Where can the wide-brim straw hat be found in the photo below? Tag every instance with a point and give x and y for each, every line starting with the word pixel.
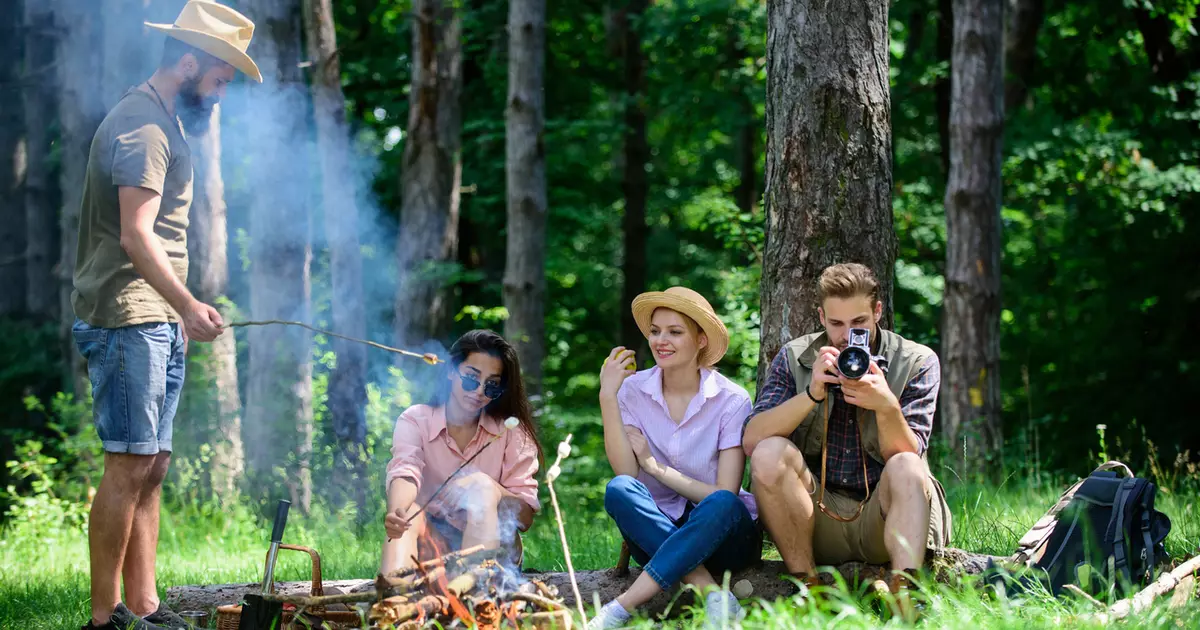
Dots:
pixel 217 30
pixel 692 304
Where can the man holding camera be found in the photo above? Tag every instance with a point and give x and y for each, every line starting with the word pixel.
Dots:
pixel 837 452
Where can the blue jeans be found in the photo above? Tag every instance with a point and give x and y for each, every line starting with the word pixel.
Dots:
pixel 136 374
pixel 718 532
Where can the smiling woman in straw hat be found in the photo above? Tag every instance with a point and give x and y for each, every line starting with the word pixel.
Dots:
pixel 131 298
pixel 673 437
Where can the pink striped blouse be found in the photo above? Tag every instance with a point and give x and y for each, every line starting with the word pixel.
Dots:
pixel 712 423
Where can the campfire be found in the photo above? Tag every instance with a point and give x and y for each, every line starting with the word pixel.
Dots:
pixel 465 589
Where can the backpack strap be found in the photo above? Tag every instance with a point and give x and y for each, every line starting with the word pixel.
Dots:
pixel 1036 537
pixel 1117 466
pixel 1116 526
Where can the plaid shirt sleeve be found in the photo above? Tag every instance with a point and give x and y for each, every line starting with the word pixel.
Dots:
pixel 918 401
pixel 779 386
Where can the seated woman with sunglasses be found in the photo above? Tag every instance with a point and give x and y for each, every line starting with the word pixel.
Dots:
pixel 673 435
pixel 491 498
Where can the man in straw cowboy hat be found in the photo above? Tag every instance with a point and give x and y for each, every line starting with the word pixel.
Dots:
pixel 837 463
pixel 673 436
pixel 134 313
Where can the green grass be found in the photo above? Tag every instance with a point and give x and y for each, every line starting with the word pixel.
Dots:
pixel 44 568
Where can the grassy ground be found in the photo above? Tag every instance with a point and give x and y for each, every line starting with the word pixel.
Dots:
pixel 44 583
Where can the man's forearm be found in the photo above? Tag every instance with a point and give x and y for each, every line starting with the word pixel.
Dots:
pixel 151 261
pixel 895 436
pixel 779 421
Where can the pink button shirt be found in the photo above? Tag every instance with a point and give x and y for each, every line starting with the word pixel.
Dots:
pixel 424 452
pixel 712 423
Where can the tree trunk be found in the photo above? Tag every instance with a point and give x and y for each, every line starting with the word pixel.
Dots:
pixel 41 215
pixel 131 51
pixel 431 177
pixel 525 275
pixel 1020 48
pixel 213 377
pixel 634 184
pixel 80 110
pixel 829 177
pixel 278 431
pixel 12 162
pixel 340 195
pixel 971 329
pixel 767 580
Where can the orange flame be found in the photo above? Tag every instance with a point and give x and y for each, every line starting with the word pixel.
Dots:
pixel 436 546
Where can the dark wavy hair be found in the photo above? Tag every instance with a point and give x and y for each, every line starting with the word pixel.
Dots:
pixel 514 402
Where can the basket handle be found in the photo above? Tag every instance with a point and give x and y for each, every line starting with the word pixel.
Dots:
pixel 317 588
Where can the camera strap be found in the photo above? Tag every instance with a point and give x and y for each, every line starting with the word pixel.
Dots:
pixel 825 461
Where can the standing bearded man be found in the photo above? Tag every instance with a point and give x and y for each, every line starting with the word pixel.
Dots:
pixel 134 313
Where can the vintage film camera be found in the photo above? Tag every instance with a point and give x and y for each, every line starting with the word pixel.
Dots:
pixel 855 360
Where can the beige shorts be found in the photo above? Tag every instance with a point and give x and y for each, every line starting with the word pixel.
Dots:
pixel 861 540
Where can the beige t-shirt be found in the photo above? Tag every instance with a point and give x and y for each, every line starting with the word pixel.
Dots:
pixel 137 144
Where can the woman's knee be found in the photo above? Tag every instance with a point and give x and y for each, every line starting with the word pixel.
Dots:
pixel 721 502
pixel 619 492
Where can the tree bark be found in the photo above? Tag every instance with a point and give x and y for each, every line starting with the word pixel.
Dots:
pixel 12 162
pixel 340 195
pixel 971 328
pixel 525 273
pixel 829 177
pixel 213 376
pixel 432 174
pixel 1020 48
pixel 80 110
pixel 278 431
pixel 634 184
pixel 41 215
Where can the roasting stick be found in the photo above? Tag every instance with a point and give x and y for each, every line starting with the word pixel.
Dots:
pixel 428 357
pixel 564 449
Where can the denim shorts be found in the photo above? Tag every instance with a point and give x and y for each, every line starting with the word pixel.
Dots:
pixel 136 374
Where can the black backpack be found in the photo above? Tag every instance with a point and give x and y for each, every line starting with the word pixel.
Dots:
pixel 1103 534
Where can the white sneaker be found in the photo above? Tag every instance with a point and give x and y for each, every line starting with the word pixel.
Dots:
pixel 611 615
pixel 722 611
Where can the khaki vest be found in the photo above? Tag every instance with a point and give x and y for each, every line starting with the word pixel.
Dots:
pixel 902 360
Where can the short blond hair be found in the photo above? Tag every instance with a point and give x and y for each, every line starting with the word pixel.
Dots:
pixel 847 280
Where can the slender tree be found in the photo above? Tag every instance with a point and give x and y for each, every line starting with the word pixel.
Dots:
pixel 12 162
pixel 278 431
pixel 80 110
pixel 212 384
pixel 829 175
pixel 633 183
pixel 340 195
pixel 431 175
pixel 525 272
pixel 41 216
pixel 971 328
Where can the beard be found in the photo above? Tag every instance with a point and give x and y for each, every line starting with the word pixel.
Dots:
pixel 195 110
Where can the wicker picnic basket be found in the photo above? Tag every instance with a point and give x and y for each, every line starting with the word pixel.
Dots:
pixel 229 617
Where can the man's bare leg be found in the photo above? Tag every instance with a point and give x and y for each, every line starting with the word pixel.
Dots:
pixel 783 489
pixel 141 594
pixel 902 494
pixel 110 525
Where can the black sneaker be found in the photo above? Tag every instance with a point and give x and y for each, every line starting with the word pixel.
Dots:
pixel 167 618
pixel 123 619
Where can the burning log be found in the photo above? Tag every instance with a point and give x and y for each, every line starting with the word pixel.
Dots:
pixel 453 556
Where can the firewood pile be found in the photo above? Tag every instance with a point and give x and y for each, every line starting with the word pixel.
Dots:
pixel 464 589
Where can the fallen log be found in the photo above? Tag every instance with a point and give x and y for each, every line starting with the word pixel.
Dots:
pixel 1142 600
pixel 765 582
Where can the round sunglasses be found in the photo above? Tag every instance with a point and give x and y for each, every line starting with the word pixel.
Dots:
pixel 491 390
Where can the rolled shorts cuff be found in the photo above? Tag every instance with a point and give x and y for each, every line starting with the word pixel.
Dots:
pixel 137 448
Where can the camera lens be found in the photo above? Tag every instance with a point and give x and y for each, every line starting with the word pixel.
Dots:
pixel 853 362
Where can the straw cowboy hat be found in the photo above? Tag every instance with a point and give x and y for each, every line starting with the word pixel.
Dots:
pixel 217 30
pixel 692 304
